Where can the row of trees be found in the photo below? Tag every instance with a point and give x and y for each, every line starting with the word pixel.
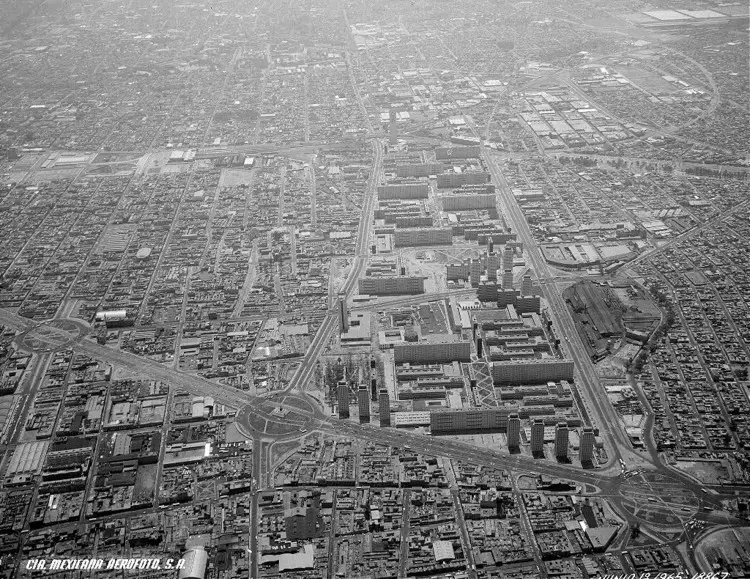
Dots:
pixel 668 318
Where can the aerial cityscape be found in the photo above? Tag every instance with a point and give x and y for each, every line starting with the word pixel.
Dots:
pixel 402 288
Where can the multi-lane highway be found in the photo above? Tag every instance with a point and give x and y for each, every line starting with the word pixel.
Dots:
pixel 143 367
pixel 587 384
pixel 617 489
pixel 588 387
pixel 608 483
pixel 330 323
pixel 590 395
pixel 139 366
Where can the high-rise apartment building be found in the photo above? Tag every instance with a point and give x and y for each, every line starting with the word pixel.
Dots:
pixel 514 432
pixel 384 408
pixel 493 264
pixel 508 279
pixel 526 285
pixel 391 285
pixel 467 200
pixel 423 236
pixel 437 352
pixel 417 190
pixel 471 420
pixel 586 453
pixel 534 371
pixel 475 272
pixel 454 180
pixel 561 441
pixel 508 258
pixel 537 436
pixel 363 400
pixel 419 169
pixel 343 398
